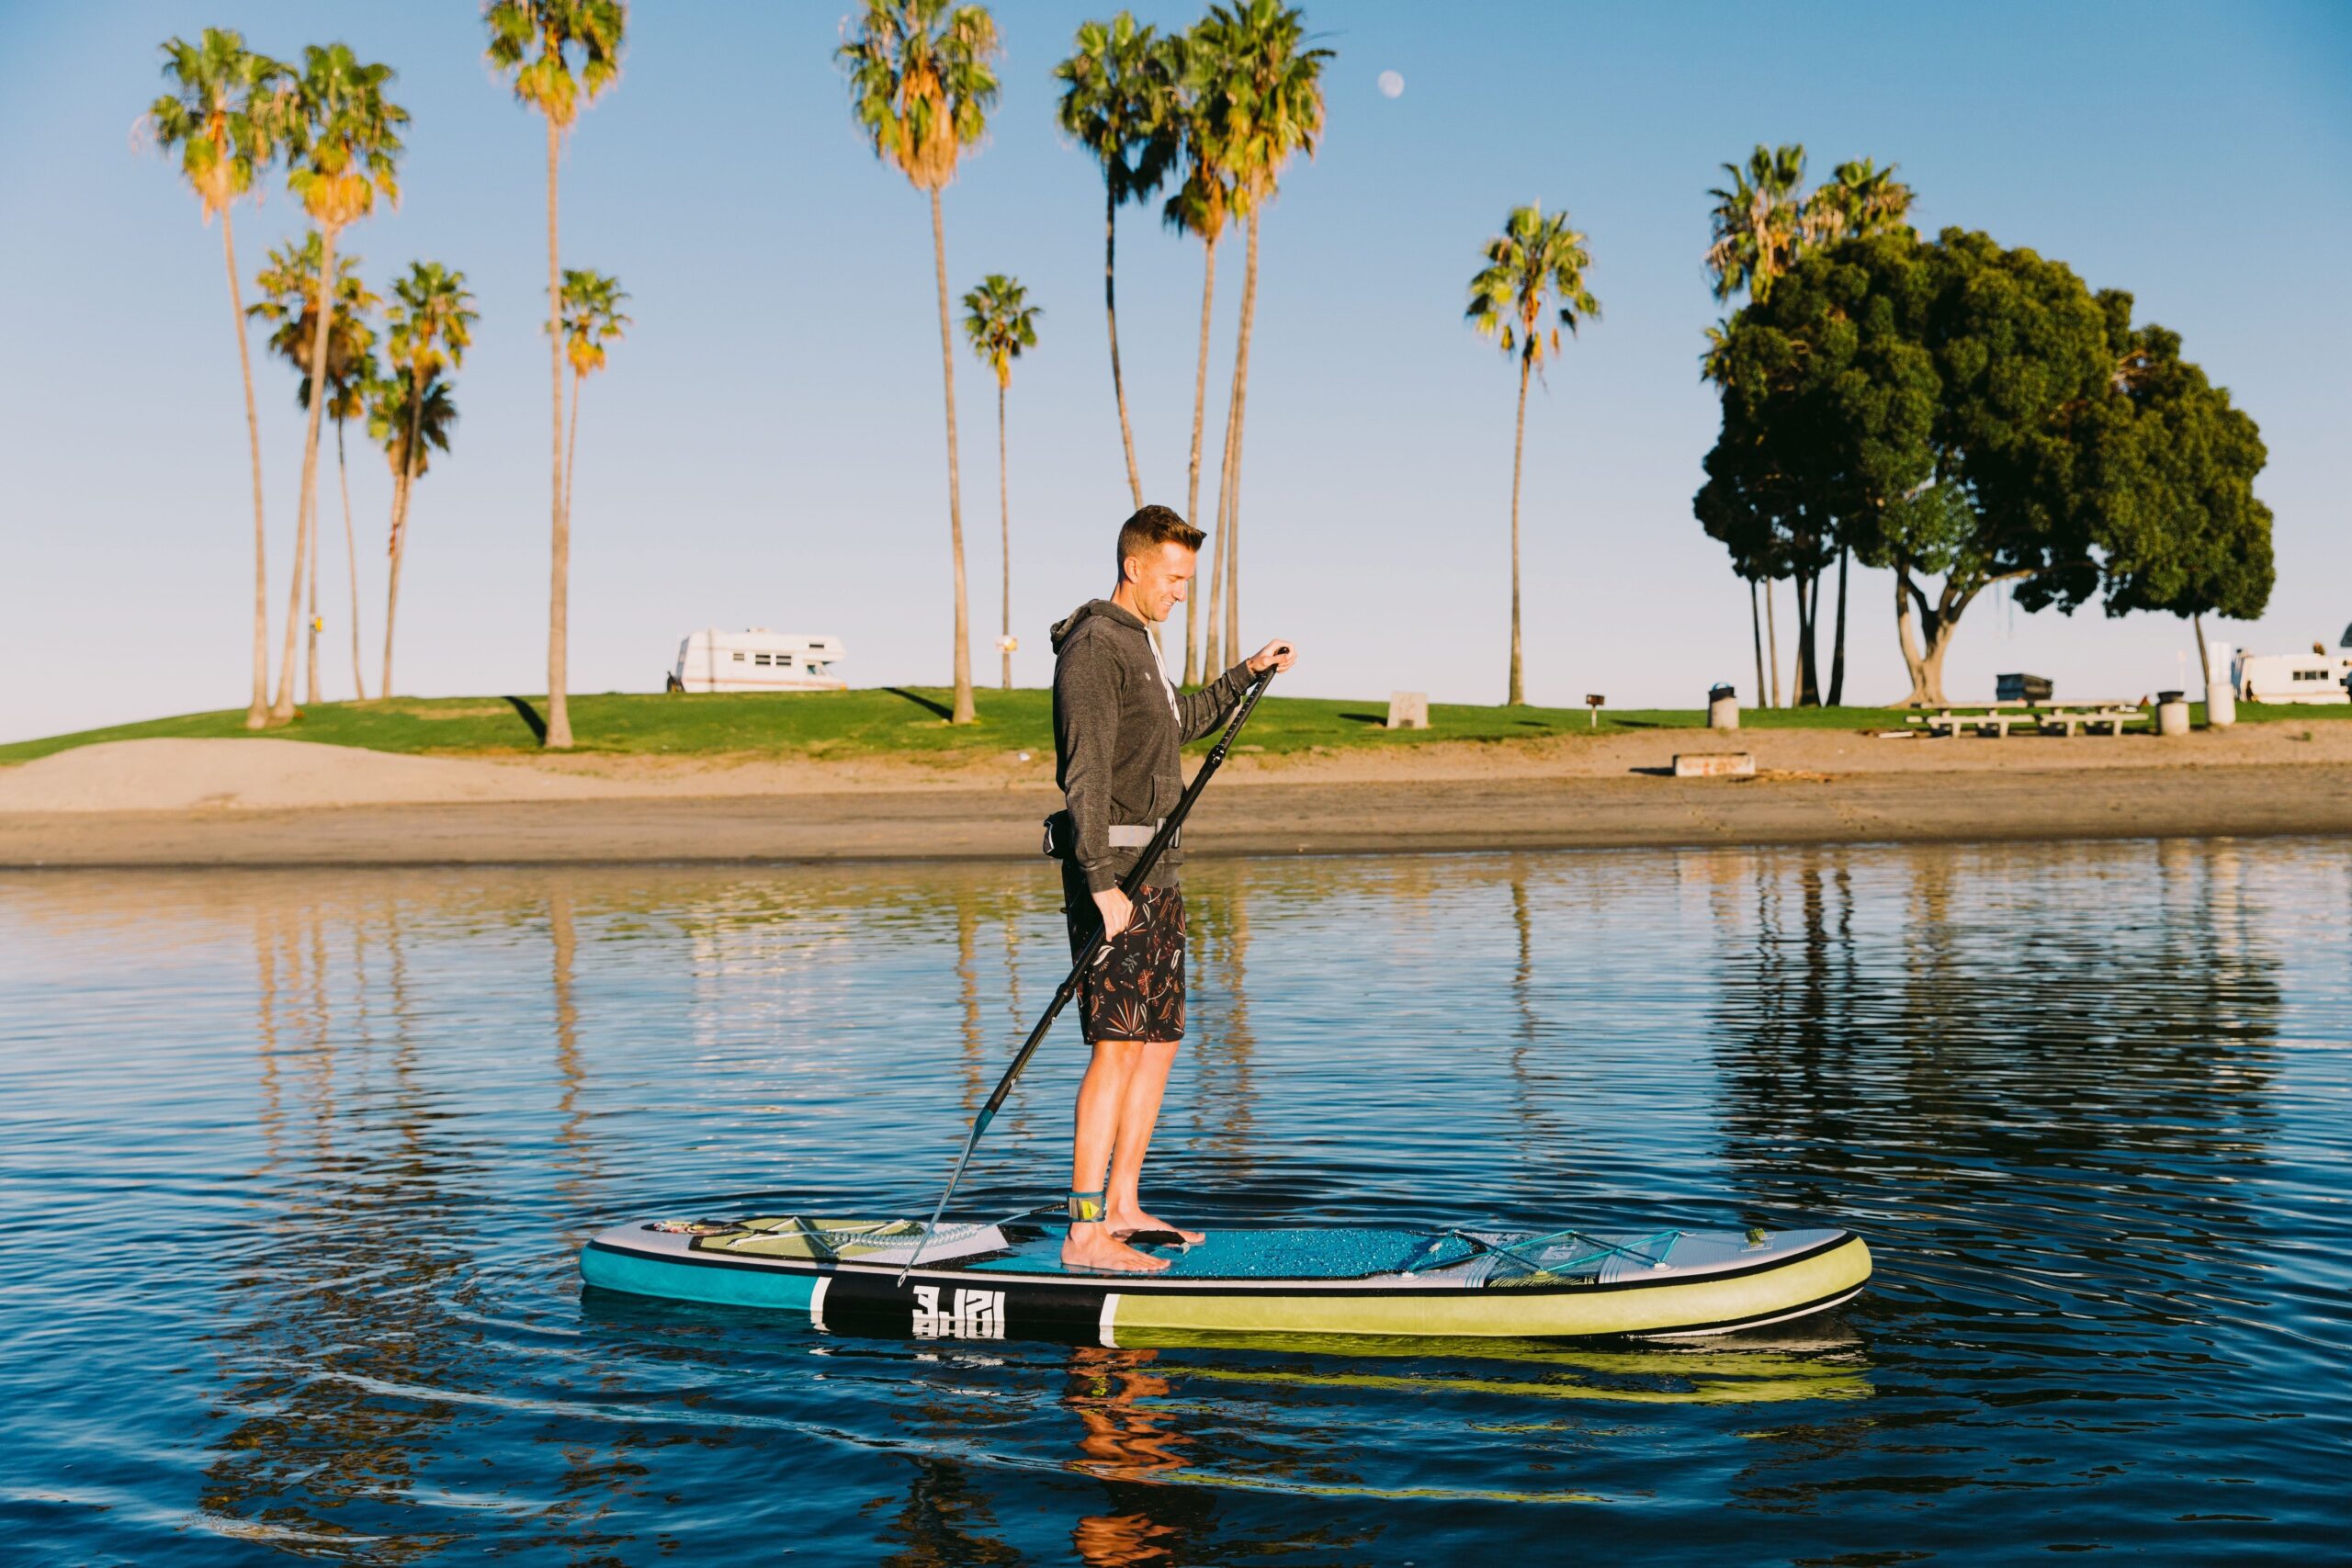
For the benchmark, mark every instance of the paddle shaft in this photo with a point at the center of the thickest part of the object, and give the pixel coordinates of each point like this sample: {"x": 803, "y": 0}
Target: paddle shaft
{"x": 1129, "y": 884}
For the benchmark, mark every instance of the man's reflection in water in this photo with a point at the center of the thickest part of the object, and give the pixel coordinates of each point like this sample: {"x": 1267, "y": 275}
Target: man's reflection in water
{"x": 1125, "y": 1448}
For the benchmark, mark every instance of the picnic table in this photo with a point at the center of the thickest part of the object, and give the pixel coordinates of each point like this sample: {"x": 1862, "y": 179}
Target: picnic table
{"x": 1996, "y": 720}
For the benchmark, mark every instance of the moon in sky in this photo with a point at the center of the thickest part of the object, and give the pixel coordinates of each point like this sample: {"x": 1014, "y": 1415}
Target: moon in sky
{"x": 1392, "y": 86}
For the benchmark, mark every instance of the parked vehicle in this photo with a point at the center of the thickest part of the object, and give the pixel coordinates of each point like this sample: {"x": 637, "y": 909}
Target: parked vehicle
{"x": 756, "y": 660}
{"x": 2314, "y": 677}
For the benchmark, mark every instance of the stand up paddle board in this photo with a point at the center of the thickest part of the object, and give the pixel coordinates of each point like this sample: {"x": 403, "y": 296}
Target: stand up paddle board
{"x": 1005, "y": 1281}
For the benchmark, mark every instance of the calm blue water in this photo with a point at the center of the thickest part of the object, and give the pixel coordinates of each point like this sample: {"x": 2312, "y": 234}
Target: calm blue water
{"x": 297, "y": 1165}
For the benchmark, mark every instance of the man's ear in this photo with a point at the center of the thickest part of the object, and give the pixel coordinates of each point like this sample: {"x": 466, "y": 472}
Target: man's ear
{"x": 1128, "y": 570}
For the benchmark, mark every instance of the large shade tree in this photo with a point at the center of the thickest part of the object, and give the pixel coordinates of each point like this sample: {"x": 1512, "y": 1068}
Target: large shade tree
{"x": 1119, "y": 101}
{"x": 1964, "y": 415}
{"x": 1001, "y": 322}
{"x": 288, "y": 302}
{"x": 1264, "y": 92}
{"x": 1533, "y": 285}
{"x": 223, "y": 113}
{"x": 430, "y": 326}
{"x": 346, "y": 148}
{"x": 922, "y": 79}
{"x": 560, "y": 54}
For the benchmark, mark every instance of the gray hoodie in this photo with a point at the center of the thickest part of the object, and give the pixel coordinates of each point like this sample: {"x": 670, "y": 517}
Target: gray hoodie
{"x": 1118, "y": 725}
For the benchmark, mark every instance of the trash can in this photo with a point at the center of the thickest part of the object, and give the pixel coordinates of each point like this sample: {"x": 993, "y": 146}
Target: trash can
{"x": 1723, "y": 708}
{"x": 2172, "y": 713}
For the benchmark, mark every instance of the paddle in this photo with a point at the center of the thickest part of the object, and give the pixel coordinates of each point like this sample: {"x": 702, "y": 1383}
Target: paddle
{"x": 1129, "y": 884}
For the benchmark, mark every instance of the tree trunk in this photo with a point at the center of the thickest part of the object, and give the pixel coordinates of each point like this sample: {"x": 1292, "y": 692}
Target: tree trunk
{"x": 1004, "y": 525}
{"x": 282, "y": 709}
{"x": 2204, "y": 663}
{"x": 393, "y": 577}
{"x": 403, "y": 487}
{"x": 256, "y": 710}
{"x": 1236, "y": 436}
{"x": 1924, "y": 665}
{"x": 1755, "y": 627}
{"x": 310, "y": 627}
{"x": 351, "y": 560}
{"x": 1518, "y": 449}
{"x": 1194, "y": 668}
{"x": 1110, "y": 310}
{"x": 559, "y": 719}
{"x": 1837, "y": 647}
{"x": 1808, "y": 692}
{"x": 1772, "y": 634}
{"x": 962, "y": 712}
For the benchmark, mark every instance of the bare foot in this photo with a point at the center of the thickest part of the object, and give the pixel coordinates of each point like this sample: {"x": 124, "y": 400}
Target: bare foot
{"x": 1125, "y": 1222}
{"x": 1093, "y": 1247}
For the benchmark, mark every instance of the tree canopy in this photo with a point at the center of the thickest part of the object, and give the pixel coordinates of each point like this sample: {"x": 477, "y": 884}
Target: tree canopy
{"x": 1957, "y": 410}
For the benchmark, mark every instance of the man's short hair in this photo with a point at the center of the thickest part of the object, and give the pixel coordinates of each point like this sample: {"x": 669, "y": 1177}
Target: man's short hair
{"x": 1151, "y": 527}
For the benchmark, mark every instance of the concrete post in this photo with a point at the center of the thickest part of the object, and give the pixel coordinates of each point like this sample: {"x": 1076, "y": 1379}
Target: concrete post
{"x": 2221, "y": 693}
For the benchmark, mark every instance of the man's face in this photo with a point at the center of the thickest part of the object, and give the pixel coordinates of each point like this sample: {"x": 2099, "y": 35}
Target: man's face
{"x": 1163, "y": 578}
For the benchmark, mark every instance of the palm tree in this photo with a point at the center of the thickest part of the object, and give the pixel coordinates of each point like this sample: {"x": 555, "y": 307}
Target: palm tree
{"x": 1001, "y": 322}
{"x": 411, "y": 418}
{"x": 592, "y": 317}
{"x": 1535, "y": 261}
{"x": 534, "y": 40}
{"x": 1265, "y": 96}
{"x": 1757, "y": 223}
{"x": 1756, "y": 228}
{"x": 224, "y": 114}
{"x": 1200, "y": 207}
{"x": 922, "y": 80}
{"x": 288, "y": 300}
{"x": 431, "y": 321}
{"x": 1118, "y": 100}
{"x": 346, "y": 145}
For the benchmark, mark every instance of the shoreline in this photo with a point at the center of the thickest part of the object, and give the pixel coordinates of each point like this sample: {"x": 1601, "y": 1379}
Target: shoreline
{"x": 1259, "y": 814}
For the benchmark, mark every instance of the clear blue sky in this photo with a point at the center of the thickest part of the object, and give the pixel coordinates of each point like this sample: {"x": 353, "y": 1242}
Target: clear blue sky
{"x": 766, "y": 447}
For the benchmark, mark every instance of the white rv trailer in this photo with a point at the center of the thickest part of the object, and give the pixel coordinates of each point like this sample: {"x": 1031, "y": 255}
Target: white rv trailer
{"x": 2314, "y": 677}
{"x": 756, "y": 660}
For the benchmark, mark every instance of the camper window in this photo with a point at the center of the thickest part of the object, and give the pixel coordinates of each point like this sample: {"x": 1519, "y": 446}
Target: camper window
{"x": 758, "y": 659}
{"x": 739, "y": 657}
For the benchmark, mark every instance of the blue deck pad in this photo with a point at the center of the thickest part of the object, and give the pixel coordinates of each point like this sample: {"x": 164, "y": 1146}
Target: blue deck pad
{"x": 1338, "y": 1253}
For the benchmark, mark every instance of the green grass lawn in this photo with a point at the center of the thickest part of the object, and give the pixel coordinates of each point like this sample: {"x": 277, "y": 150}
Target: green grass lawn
{"x": 912, "y": 722}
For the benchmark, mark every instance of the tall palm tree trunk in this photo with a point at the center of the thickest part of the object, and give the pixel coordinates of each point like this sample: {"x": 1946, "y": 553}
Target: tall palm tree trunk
{"x": 559, "y": 735}
{"x": 1004, "y": 522}
{"x": 1838, "y": 644}
{"x": 1193, "y": 669}
{"x": 393, "y": 577}
{"x": 257, "y": 710}
{"x": 1110, "y": 310}
{"x": 962, "y": 712}
{"x": 311, "y": 621}
{"x": 1518, "y": 452}
{"x": 351, "y": 560}
{"x": 402, "y": 488}
{"x": 1772, "y": 632}
{"x": 1220, "y": 576}
{"x": 283, "y": 708}
{"x": 1756, "y": 626}
{"x": 1240, "y": 429}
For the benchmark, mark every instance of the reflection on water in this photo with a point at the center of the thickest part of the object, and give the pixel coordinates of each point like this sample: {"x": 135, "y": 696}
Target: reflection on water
{"x": 302, "y": 1161}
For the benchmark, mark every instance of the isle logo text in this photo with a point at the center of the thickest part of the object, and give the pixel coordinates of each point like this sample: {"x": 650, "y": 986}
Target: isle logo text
{"x": 969, "y": 1315}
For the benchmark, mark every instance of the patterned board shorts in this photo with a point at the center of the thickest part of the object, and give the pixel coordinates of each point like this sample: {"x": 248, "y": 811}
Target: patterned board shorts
{"x": 1134, "y": 990}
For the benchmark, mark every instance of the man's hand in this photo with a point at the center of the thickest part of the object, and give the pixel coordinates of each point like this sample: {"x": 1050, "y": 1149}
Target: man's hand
{"x": 1116, "y": 911}
{"x": 1276, "y": 655}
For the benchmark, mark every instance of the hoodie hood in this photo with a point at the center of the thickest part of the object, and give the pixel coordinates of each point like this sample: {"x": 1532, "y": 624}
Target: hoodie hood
{"x": 1065, "y": 628}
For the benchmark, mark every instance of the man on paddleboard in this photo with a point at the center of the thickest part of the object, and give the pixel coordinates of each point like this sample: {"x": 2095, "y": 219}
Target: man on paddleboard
{"x": 1118, "y": 725}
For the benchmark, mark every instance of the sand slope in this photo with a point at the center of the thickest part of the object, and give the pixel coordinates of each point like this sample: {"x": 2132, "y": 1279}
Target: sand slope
{"x": 181, "y": 775}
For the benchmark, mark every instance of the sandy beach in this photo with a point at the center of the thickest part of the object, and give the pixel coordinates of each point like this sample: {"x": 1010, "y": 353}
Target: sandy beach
{"x": 290, "y": 803}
